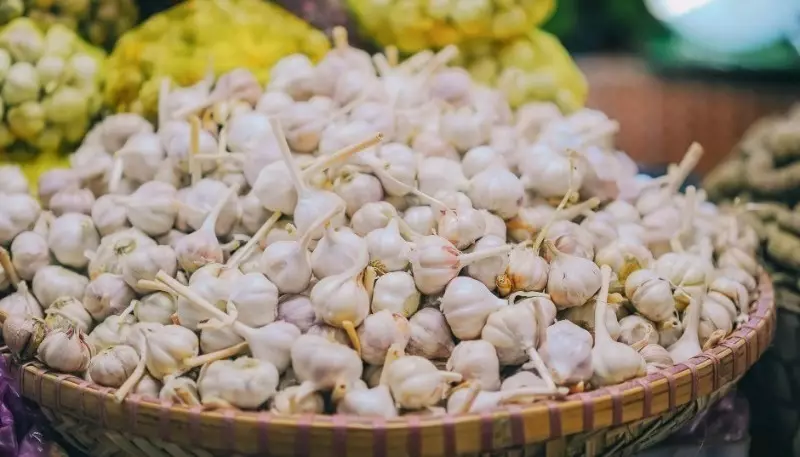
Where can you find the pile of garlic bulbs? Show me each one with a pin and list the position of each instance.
(364, 238)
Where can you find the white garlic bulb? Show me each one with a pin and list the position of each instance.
(244, 383)
(297, 310)
(52, 282)
(144, 263)
(283, 402)
(572, 280)
(476, 361)
(387, 246)
(65, 351)
(567, 352)
(375, 402)
(379, 332)
(113, 366)
(466, 305)
(167, 348)
(71, 235)
(487, 270)
(650, 295)
(107, 294)
(416, 383)
(395, 292)
(113, 331)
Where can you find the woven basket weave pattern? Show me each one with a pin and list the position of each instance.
(590, 424)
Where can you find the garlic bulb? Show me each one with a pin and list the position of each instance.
(372, 216)
(387, 247)
(416, 383)
(113, 248)
(487, 270)
(686, 271)
(462, 225)
(144, 263)
(436, 174)
(108, 215)
(65, 351)
(650, 295)
(498, 190)
(357, 189)
(342, 300)
(335, 252)
(153, 207)
(583, 316)
(113, 366)
(202, 247)
(375, 402)
(476, 361)
(466, 304)
(567, 353)
(282, 402)
(72, 201)
(68, 312)
(620, 254)
(256, 299)
(515, 331)
(297, 310)
(435, 262)
(421, 219)
(479, 159)
(321, 365)
(612, 362)
(107, 294)
(379, 332)
(243, 383)
(180, 391)
(157, 307)
(572, 280)
(657, 357)
(167, 348)
(430, 335)
(19, 213)
(395, 292)
(23, 335)
(70, 236)
(113, 331)
(287, 263)
(635, 328)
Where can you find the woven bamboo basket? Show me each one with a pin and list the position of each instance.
(615, 421)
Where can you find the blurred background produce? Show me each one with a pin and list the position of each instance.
(101, 22)
(183, 42)
(764, 169)
(50, 86)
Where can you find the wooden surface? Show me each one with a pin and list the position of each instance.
(661, 116)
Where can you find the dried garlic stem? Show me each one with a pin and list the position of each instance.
(200, 360)
(395, 352)
(194, 148)
(543, 232)
(154, 286)
(474, 388)
(324, 162)
(134, 378)
(715, 337)
(8, 267)
(240, 255)
(687, 164)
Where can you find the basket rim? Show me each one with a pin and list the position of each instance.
(610, 406)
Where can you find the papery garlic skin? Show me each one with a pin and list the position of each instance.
(113, 366)
(396, 292)
(244, 383)
(65, 351)
(476, 361)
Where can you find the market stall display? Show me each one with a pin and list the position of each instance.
(193, 41)
(50, 93)
(101, 22)
(373, 242)
(762, 173)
